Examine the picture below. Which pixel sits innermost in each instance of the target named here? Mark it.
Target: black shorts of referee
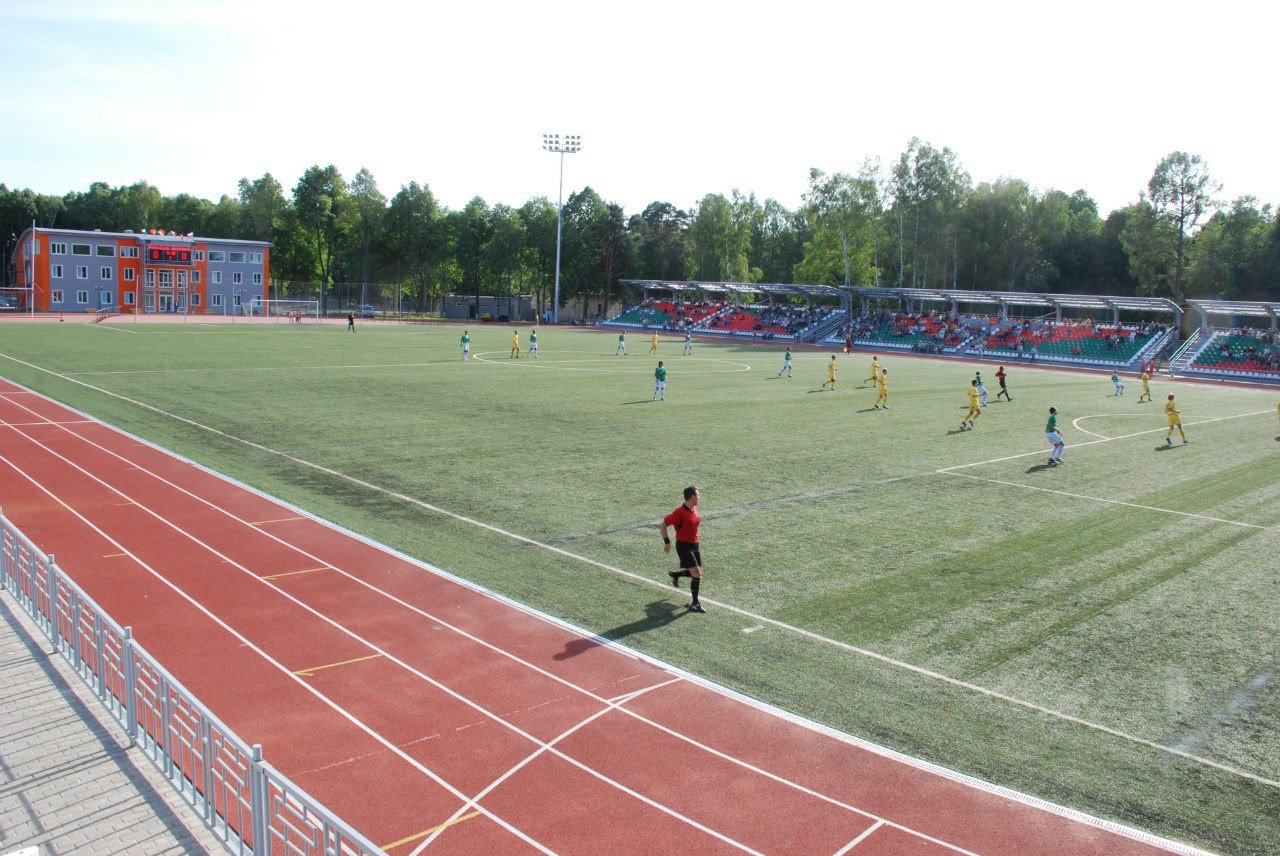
(688, 554)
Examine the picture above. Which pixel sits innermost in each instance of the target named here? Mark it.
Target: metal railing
(249, 806)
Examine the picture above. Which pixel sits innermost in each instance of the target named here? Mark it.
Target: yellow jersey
(975, 398)
(1171, 412)
(883, 381)
(1146, 378)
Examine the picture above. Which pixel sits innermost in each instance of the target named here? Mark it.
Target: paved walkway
(68, 785)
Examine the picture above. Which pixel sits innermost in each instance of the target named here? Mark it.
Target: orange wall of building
(123, 264)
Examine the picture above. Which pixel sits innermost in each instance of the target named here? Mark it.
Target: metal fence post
(258, 803)
(51, 578)
(130, 687)
(100, 661)
(206, 769)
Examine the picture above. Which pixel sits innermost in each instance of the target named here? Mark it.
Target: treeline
(921, 222)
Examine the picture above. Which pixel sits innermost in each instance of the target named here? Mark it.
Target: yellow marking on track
(295, 573)
(278, 520)
(424, 833)
(307, 673)
(114, 555)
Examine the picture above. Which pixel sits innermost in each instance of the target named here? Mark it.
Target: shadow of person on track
(660, 613)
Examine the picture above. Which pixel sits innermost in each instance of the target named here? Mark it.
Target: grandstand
(1237, 352)
(734, 309)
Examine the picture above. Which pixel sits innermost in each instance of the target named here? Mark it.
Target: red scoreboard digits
(168, 254)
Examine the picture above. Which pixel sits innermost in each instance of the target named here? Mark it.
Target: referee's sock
(694, 585)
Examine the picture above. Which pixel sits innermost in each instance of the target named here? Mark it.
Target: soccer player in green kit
(660, 382)
(466, 345)
(688, 344)
(1054, 436)
(533, 344)
(786, 364)
(622, 345)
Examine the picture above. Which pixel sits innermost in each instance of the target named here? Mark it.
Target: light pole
(568, 145)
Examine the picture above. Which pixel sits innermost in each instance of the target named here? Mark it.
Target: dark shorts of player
(688, 555)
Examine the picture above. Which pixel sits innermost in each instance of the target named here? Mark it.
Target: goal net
(285, 311)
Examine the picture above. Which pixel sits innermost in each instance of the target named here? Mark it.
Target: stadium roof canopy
(1005, 299)
(1253, 308)
(750, 288)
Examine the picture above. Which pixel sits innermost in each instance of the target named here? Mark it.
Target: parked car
(8, 303)
(366, 310)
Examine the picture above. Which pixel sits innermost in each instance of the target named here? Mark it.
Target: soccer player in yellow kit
(831, 374)
(883, 383)
(1146, 386)
(975, 405)
(515, 344)
(1174, 417)
(875, 371)
(653, 344)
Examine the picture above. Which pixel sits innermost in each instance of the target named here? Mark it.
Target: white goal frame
(283, 311)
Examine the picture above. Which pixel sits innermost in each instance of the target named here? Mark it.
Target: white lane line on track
(799, 631)
(633, 694)
(520, 765)
(861, 837)
(244, 641)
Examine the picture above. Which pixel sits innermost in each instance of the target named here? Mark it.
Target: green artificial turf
(1074, 590)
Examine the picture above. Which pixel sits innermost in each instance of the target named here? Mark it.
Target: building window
(198, 255)
(257, 279)
(215, 299)
(128, 252)
(195, 300)
(82, 297)
(80, 250)
(216, 277)
(235, 299)
(128, 298)
(217, 256)
(151, 278)
(237, 278)
(58, 249)
(82, 272)
(235, 257)
(104, 298)
(195, 277)
(105, 272)
(56, 295)
(130, 274)
(255, 258)
(56, 270)
(106, 250)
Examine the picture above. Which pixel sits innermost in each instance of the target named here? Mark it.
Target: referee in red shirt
(685, 521)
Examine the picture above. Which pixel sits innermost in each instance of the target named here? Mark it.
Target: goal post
(282, 311)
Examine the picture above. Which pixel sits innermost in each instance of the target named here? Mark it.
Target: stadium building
(66, 270)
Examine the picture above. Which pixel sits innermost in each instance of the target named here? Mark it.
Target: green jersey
(533, 338)
(787, 356)
(1052, 424)
(660, 374)
(622, 337)
(466, 340)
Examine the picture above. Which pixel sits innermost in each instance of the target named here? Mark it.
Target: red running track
(430, 714)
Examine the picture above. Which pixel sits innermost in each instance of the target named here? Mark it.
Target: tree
(365, 220)
(471, 228)
(659, 235)
(1148, 241)
(319, 200)
(262, 208)
(841, 212)
(927, 186)
(1181, 192)
(719, 240)
(416, 241)
(1228, 259)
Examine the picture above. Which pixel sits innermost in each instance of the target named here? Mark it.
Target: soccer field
(1101, 634)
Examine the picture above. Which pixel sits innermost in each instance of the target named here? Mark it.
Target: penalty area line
(755, 617)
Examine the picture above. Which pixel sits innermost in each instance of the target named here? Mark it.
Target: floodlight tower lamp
(569, 144)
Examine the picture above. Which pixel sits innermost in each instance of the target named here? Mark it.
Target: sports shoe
(1168, 441)
(675, 578)
(1185, 442)
(696, 607)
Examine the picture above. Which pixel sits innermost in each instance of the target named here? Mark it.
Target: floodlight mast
(569, 144)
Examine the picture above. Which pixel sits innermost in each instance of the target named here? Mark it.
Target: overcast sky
(674, 100)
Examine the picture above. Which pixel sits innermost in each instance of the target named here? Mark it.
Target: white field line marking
(496, 718)
(855, 842)
(1108, 501)
(595, 697)
(244, 641)
(112, 328)
(212, 370)
(38, 424)
(1075, 423)
(799, 631)
(1029, 454)
(480, 358)
(613, 705)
